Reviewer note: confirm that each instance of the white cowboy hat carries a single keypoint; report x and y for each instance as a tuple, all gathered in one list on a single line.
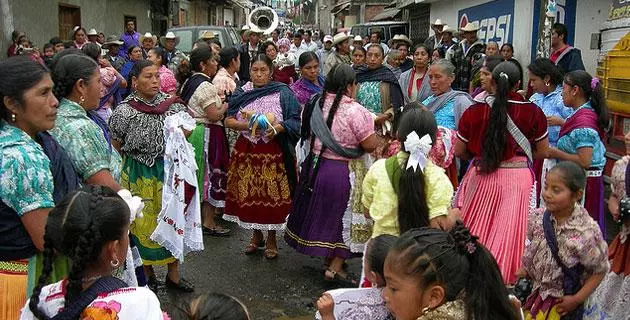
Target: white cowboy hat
[(339, 38), (169, 35), (328, 38), (438, 22), (448, 29), (207, 35), (112, 40), (470, 27), (148, 35), (358, 38), (403, 38), (92, 32)]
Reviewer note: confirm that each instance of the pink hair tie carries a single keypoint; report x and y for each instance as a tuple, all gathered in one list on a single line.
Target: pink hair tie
[(594, 83)]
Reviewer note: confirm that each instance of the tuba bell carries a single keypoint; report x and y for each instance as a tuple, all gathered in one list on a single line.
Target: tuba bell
[(263, 20)]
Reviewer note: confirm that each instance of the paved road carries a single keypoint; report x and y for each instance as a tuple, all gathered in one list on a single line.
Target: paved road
[(284, 288)]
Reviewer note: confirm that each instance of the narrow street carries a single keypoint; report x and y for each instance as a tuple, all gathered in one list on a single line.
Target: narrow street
[(280, 289)]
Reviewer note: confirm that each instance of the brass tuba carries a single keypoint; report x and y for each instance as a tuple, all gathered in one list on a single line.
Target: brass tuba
[(263, 20)]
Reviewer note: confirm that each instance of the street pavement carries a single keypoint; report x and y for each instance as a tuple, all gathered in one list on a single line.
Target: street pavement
[(281, 289)]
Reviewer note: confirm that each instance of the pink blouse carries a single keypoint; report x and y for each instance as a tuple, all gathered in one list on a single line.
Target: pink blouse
[(352, 125), (168, 83), (108, 77), (267, 104)]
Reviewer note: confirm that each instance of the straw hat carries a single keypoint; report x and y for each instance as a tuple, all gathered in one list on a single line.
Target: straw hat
[(438, 22), (148, 35), (207, 35), (358, 38), (448, 29), (403, 38), (328, 38), (92, 32), (470, 27), (339, 38), (112, 40), (169, 35)]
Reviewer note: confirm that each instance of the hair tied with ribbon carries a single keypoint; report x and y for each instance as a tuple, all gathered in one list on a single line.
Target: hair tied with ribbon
[(594, 82), (418, 149), (504, 75)]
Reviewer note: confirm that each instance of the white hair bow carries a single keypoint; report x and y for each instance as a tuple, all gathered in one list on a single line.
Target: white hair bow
[(418, 149)]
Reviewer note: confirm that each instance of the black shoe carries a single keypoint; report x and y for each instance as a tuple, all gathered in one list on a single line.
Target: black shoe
[(183, 285), (216, 232)]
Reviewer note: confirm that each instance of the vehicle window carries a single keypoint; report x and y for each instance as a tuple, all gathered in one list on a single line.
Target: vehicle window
[(222, 34), (185, 40), (394, 30)]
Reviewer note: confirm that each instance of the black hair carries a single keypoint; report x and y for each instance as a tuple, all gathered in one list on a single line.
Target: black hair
[(543, 67), (306, 58), (376, 45), (74, 33), (440, 51), (20, 74), (413, 210), (266, 44), (216, 41), (297, 35), (216, 306), (136, 70), (55, 41), (561, 30), (47, 46), (309, 33), (423, 46), (402, 43), (378, 34), (263, 58), (492, 62), (15, 35), (78, 227), (92, 50), (376, 252), (226, 55), (509, 45), (359, 48), (595, 94), (130, 49), (70, 67), (573, 176), (197, 56), (458, 263), (337, 81), (506, 75), (161, 52)]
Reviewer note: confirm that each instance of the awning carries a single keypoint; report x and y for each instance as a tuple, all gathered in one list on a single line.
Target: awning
[(340, 7), (387, 14)]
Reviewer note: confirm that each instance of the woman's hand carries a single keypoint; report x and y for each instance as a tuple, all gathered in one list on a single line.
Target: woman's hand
[(381, 118), (326, 307), (613, 206), (567, 304), (104, 63), (554, 121), (271, 133)]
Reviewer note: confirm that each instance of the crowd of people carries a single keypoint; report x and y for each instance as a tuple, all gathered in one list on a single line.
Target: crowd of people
[(469, 193)]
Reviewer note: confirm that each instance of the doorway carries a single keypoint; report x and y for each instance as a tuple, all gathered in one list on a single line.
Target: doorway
[(69, 17)]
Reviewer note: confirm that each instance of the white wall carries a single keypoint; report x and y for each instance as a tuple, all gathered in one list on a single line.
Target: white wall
[(590, 17)]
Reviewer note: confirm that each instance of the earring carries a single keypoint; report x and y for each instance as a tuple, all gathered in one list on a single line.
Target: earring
[(426, 310), (13, 117), (114, 263), (547, 84), (81, 100)]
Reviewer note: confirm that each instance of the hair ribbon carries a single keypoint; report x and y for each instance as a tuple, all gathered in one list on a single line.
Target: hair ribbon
[(594, 82), (504, 75), (418, 149)]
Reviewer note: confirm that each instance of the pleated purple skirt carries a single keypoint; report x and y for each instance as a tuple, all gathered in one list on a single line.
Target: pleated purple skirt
[(594, 201)]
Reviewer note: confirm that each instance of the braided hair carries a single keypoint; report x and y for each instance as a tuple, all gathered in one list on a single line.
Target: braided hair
[(20, 74), (454, 260), (593, 92), (70, 68), (79, 227), (337, 81)]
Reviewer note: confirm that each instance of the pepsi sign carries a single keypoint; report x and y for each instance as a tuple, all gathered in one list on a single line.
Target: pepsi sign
[(495, 19)]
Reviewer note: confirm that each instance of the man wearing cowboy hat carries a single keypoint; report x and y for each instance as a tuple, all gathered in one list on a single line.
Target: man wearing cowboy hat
[(341, 42), (469, 50), (130, 38), (112, 45), (324, 52), (173, 55), (448, 42), (403, 44), (92, 36), (433, 41), (248, 51), (148, 42)]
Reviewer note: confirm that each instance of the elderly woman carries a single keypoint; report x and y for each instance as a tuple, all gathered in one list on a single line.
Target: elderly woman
[(262, 175), (137, 131), (28, 166), (379, 90), (393, 61), (447, 104), (415, 82), (168, 83), (311, 82)]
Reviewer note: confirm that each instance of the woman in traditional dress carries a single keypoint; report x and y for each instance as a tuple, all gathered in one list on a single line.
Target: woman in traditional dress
[(111, 81), (340, 131), (208, 138), (27, 171), (134, 54), (137, 131), (546, 79), (581, 137), (502, 136), (447, 104), (168, 83), (79, 37), (311, 82), (262, 173), (415, 81), (225, 81), (283, 63)]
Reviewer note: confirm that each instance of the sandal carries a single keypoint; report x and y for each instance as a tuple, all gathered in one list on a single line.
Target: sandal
[(347, 281), (252, 247), (216, 232), (270, 254)]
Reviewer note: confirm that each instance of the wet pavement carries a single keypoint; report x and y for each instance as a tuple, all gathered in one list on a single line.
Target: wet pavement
[(284, 288)]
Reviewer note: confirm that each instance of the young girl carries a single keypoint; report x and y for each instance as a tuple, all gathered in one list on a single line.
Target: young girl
[(610, 300), (565, 254), (408, 190), (361, 303), (91, 227), (213, 306), (432, 274)]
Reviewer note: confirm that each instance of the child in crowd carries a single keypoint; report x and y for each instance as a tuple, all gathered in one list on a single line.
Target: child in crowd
[(610, 299), (358, 57), (565, 255), (215, 306), (433, 274), (49, 53), (361, 303), (408, 190)]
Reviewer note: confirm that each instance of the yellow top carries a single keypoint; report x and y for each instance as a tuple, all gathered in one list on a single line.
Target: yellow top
[(381, 200)]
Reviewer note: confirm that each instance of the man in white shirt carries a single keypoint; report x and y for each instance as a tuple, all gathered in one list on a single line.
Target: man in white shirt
[(375, 38), (324, 52), (296, 47), (307, 44)]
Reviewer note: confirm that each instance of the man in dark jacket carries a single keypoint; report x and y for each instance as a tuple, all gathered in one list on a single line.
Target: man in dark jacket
[(563, 55), (247, 52), (465, 54)]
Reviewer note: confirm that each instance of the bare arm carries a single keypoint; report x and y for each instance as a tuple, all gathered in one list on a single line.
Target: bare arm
[(542, 149), (35, 224), (215, 114), (372, 142), (104, 178), (460, 150), (583, 157), (234, 124)]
